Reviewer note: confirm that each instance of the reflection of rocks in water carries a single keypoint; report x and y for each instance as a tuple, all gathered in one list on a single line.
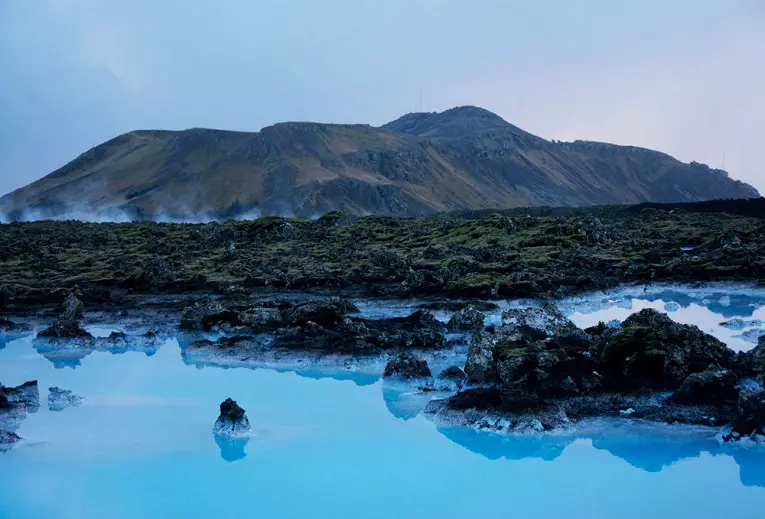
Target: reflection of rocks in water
[(647, 447), (232, 447), (358, 378), (64, 353), (751, 464), (655, 450), (402, 402), (512, 447)]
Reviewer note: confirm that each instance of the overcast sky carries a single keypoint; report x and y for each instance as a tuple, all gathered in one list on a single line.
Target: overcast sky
[(682, 76)]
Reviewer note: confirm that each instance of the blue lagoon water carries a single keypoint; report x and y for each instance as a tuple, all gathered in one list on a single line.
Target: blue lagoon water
[(346, 444)]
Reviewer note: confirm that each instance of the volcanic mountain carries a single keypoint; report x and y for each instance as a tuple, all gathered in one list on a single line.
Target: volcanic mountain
[(463, 158)]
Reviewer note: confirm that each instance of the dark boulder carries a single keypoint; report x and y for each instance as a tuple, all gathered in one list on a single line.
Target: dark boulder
[(543, 321), (498, 400), (232, 420), (452, 378), (261, 319), (479, 366), (754, 359), (751, 416), (468, 319), (204, 315), (407, 366), (651, 350), (714, 387), (67, 324), (324, 312)]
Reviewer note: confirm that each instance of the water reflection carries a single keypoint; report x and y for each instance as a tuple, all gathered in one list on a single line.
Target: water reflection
[(648, 447), (232, 448)]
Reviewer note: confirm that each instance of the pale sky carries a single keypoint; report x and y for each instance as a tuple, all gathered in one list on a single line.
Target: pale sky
[(686, 77)]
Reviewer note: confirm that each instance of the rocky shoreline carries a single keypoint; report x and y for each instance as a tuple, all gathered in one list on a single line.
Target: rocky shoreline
[(533, 372)]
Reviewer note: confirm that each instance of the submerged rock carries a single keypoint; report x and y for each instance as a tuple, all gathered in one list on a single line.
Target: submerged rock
[(59, 399), (407, 366), (67, 324), (468, 319), (232, 420)]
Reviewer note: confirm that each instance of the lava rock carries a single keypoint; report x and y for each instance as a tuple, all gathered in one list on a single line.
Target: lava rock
[(546, 320), (232, 420), (261, 319), (754, 359), (751, 416), (407, 366), (468, 319), (651, 350), (713, 386), (324, 312), (479, 366), (26, 395), (59, 399), (203, 315), (67, 324)]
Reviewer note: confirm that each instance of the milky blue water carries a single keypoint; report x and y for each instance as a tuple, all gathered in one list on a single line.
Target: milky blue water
[(351, 446)]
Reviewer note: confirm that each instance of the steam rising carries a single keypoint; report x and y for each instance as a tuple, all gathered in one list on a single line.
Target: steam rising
[(122, 215)]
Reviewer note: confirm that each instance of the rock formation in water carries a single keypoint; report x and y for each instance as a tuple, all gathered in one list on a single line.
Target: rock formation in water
[(407, 366), (539, 372), (67, 324), (59, 399), (468, 319), (232, 420)]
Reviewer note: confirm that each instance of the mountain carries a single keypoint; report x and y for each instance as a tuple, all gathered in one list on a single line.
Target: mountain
[(463, 158)]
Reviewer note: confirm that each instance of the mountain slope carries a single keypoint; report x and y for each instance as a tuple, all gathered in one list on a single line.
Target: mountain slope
[(463, 158)]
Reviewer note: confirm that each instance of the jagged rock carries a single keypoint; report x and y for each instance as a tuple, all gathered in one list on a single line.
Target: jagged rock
[(261, 318), (407, 366), (203, 315), (67, 324), (232, 420), (27, 395), (468, 319), (324, 312), (354, 335), (754, 359), (8, 437), (651, 350), (59, 399), (751, 416), (713, 386), (479, 366), (547, 318)]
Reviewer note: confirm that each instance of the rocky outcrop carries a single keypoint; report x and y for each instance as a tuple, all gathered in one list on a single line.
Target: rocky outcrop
[(204, 315), (750, 421), (754, 360), (356, 335), (326, 313), (67, 324), (407, 366), (714, 386), (26, 395), (539, 323), (261, 319), (479, 366), (232, 420), (650, 350), (59, 399), (468, 319)]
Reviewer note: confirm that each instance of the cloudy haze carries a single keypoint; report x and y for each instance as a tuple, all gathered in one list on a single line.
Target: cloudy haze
[(681, 76)]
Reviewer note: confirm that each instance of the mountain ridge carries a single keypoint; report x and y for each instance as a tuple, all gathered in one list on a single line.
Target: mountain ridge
[(462, 158)]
